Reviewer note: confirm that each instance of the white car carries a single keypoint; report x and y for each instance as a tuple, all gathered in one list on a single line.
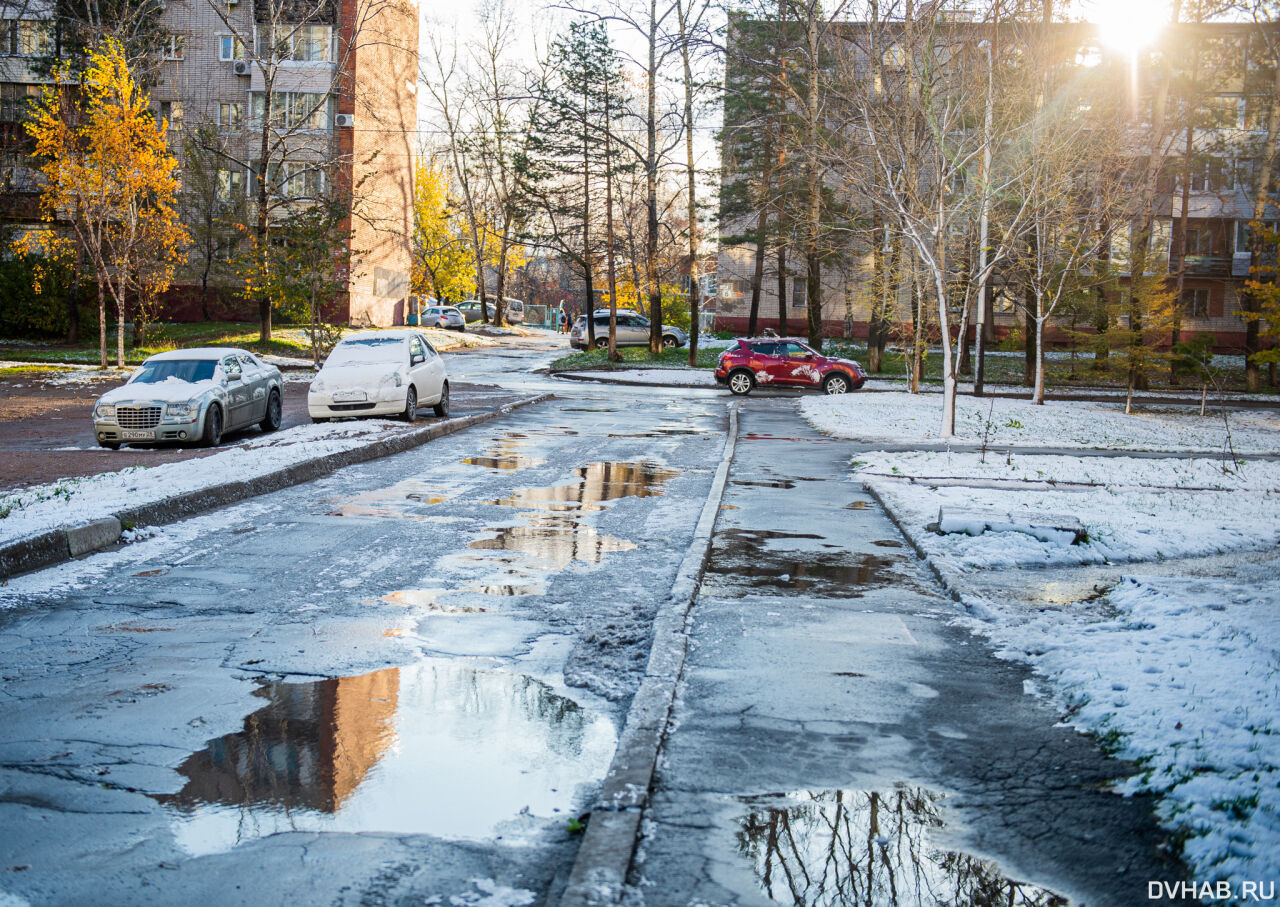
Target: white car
[(380, 373)]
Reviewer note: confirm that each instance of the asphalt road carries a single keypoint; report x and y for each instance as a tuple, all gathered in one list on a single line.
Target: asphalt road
[(403, 682), (376, 687)]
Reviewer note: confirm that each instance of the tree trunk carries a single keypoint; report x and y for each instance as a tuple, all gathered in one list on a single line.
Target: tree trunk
[(73, 305), (263, 225), (651, 188), (1031, 337), (782, 290), (1038, 396), (757, 276), (813, 226), (1249, 301), (102, 323)]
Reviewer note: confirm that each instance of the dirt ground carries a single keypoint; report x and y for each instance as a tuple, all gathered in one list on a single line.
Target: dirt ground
[(46, 427)]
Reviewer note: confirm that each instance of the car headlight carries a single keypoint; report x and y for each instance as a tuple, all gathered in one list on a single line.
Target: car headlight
[(317, 386), (104, 412), (182, 411)]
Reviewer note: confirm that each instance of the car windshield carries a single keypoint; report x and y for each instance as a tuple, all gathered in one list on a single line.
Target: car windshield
[(367, 349), (190, 370)]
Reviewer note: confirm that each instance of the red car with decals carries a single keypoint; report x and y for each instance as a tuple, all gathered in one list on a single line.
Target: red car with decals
[(785, 362)]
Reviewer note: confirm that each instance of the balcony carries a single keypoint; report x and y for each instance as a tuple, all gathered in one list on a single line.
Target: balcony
[(1208, 265)]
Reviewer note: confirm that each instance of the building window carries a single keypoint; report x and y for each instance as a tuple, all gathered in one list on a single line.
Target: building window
[(230, 115), (306, 43), (16, 100), (230, 48), (799, 292), (171, 113), (1257, 108), (1210, 176), (26, 37), (230, 185), (295, 179), (1195, 303), (173, 47), (292, 109), (1199, 241)]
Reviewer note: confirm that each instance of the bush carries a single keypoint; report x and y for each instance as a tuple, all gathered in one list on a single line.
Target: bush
[(25, 312)]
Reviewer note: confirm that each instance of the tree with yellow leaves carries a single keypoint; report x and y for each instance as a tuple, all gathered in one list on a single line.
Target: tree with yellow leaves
[(443, 266), (110, 177)]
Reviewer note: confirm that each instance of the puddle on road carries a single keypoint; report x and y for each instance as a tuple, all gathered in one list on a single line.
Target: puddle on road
[(851, 848), (776, 483), (437, 748), (406, 500), (506, 455), (742, 558), (858, 505), (510, 590), (428, 600), (595, 485), (559, 542), (887, 543)]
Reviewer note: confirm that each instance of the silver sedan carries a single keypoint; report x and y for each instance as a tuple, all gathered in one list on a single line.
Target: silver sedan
[(190, 396)]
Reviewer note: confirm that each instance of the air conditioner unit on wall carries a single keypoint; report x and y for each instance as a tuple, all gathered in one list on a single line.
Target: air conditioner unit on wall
[(344, 119), (241, 67)]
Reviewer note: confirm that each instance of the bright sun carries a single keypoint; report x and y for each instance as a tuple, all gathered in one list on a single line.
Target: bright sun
[(1129, 25)]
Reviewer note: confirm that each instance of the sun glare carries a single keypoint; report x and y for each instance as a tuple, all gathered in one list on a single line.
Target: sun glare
[(1130, 25)]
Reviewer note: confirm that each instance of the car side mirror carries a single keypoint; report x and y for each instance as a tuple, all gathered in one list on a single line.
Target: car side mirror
[(417, 359)]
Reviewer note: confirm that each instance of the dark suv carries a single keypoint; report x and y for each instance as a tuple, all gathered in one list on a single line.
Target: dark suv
[(785, 362)]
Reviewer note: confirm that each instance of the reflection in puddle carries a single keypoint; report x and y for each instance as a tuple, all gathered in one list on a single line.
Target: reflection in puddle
[(743, 558), (436, 749), (777, 483), (510, 590), (557, 541), (404, 500), (427, 600), (858, 505), (887, 543), (505, 454), (865, 849), (595, 484)]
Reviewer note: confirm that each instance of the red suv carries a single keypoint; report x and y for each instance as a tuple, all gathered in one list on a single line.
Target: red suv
[(785, 362)]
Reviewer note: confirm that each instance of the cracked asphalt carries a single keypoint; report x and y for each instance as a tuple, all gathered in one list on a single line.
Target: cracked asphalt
[(837, 741), (399, 684)]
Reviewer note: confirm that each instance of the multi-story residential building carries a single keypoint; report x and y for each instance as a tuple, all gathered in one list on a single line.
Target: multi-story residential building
[(1235, 92), (342, 76)]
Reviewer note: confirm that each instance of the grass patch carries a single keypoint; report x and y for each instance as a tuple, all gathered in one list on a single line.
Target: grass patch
[(636, 357), (160, 338), (32, 371)]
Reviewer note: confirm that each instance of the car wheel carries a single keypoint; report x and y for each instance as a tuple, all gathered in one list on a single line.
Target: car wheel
[(212, 426), (669, 342), (271, 421), (741, 382), (600, 343), (441, 409), (836, 383), (109, 445), (410, 413)]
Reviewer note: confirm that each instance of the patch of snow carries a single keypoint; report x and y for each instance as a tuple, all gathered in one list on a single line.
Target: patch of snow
[(671, 377), (903, 417), (490, 894), (72, 501)]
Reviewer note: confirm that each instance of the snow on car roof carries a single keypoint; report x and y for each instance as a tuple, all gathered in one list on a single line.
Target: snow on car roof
[(201, 352), (379, 335)]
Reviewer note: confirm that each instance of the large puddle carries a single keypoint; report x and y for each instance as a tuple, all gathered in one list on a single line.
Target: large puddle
[(744, 559), (409, 500), (437, 748), (506, 455), (554, 543), (851, 848), (594, 485)]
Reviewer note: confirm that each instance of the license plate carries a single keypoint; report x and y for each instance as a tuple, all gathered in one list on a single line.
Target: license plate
[(348, 396), (138, 435)]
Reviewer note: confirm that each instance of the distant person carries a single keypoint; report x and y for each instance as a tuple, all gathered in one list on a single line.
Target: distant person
[(564, 321)]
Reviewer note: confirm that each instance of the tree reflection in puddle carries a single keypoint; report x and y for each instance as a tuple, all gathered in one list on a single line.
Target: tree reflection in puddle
[(506, 455), (436, 748), (870, 849), (596, 484)]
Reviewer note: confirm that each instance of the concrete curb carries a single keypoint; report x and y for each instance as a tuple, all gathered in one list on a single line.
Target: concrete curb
[(910, 536), (63, 544), (608, 846)]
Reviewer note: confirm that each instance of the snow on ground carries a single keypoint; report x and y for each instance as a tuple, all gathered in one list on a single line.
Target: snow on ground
[(678, 377), (1172, 667), (73, 501), (902, 417)]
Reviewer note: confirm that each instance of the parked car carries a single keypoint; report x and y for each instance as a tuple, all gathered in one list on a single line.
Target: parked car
[(470, 310), (190, 396), (443, 316), (633, 330), (380, 373), (514, 310), (785, 362)]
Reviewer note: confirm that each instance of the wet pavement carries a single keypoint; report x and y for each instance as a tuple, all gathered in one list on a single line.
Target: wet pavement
[(836, 741), (398, 683)]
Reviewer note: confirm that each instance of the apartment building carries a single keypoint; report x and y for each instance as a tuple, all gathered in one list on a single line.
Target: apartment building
[(341, 75), (1236, 93)]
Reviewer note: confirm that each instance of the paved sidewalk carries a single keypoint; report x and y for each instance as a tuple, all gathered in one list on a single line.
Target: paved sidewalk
[(835, 738)]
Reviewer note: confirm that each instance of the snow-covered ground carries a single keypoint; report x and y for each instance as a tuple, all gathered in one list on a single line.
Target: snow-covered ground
[(678, 377), (902, 417), (1173, 665), (73, 501)]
